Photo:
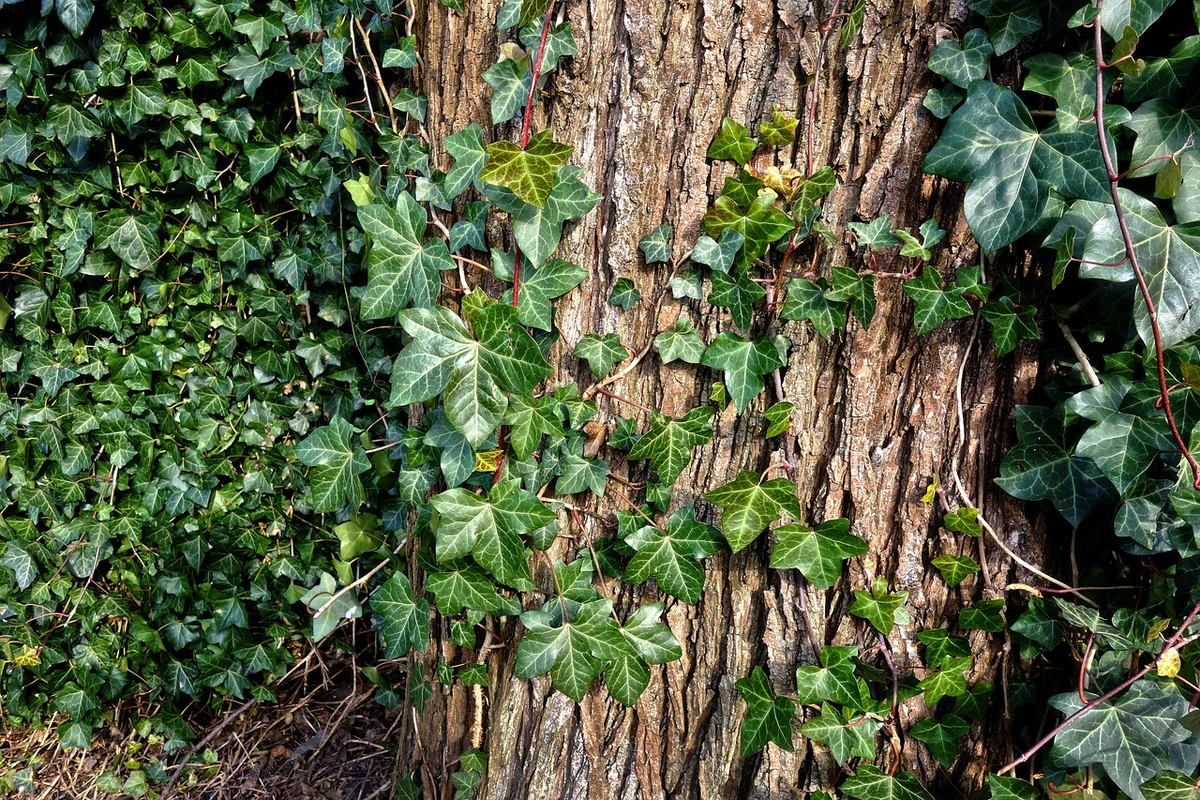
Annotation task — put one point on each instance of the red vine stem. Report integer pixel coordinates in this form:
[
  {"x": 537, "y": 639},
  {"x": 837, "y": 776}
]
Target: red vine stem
[
  {"x": 534, "y": 75},
  {"x": 1152, "y": 312},
  {"x": 1175, "y": 642}
]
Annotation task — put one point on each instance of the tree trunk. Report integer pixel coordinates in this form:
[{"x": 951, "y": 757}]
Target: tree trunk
[{"x": 876, "y": 409}]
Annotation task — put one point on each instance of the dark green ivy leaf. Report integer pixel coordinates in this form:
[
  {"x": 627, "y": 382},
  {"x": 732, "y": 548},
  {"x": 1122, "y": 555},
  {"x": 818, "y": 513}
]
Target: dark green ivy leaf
[
  {"x": 845, "y": 737},
  {"x": 668, "y": 445},
  {"x": 768, "y": 718},
  {"x": 955, "y": 569},
  {"x": 601, "y": 352},
  {"x": 624, "y": 294},
  {"x": 817, "y": 552},
  {"x": 941, "y": 736},
  {"x": 671, "y": 556},
  {"x": 656, "y": 245},
  {"x": 869, "y": 783},
  {"x": 934, "y": 303},
  {"x": 749, "y": 504},
  {"x": 405, "y": 619},
  {"x": 733, "y": 143},
  {"x": 744, "y": 363},
  {"x": 878, "y": 606},
  {"x": 964, "y": 63}
]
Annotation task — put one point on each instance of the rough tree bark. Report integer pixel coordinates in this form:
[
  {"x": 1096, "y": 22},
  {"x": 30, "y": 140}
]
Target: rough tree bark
[{"x": 877, "y": 410}]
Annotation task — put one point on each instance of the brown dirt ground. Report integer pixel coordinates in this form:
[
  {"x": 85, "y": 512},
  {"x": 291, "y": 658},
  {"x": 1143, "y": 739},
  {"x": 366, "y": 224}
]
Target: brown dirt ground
[{"x": 325, "y": 738}]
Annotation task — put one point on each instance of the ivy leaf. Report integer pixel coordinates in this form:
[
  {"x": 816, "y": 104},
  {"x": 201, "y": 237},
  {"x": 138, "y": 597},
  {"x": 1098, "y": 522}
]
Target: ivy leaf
[
  {"x": 1130, "y": 735},
  {"x": 761, "y": 223},
  {"x": 669, "y": 442},
  {"x": 807, "y": 301},
  {"x": 941, "y": 101},
  {"x": 1169, "y": 256},
  {"x": 403, "y": 57},
  {"x": 1043, "y": 467},
  {"x": 686, "y": 284},
  {"x": 624, "y": 294},
  {"x": 463, "y": 587},
  {"x": 671, "y": 556},
  {"x": 941, "y": 736},
  {"x": 1009, "y": 21},
  {"x": 540, "y": 285},
  {"x": 941, "y": 646},
  {"x": 869, "y": 783},
  {"x": 1070, "y": 81},
  {"x": 528, "y": 421},
  {"x": 336, "y": 465},
  {"x": 990, "y": 143},
  {"x": 24, "y": 569},
  {"x": 532, "y": 10},
  {"x": 656, "y": 245},
  {"x": 405, "y": 619},
  {"x": 490, "y": 529},
  {"x": 649, "y": 637},
  {"x": 878, "y": 606},
  {"x": 934, "y": 303},
  {"x": 875, "y": 234},
  {"x": 744, "y": 363},
  {"x": 734, "y": 290},
  {"x": 983, "y": 616},
  {"x": 402, "y": 267},
  {"x": 962, "y": 64},
  {"x": 510, "y": 80},
  {"x": 834, "y": 681},
  {"x": 844, "y": 737},
  {"x": 71, "y": 124},
  {"x": 779, "y": 130},
  {"x": 681, "y": 344},
  {"x": 1164, "y": 77},
  {"x": 949, "y": 681},
  {"x": 578, "y": 474},
  {"x": 467, "y": 149},
  {"x": 74, "y": 15},
  {"x": 132, "y": 237},
  {"x": 1010, "y": 324},
  {"x": 601, "y": 352},
  {"x": 733, "y": 143},
  {"x": 1124, "y": 446},
  {"x": 560, "y": 42},
  {"x": 574, "y": 651},
  {"x": 750, "y": 504},
  {"x": 718, "y": 256},
  {"x": 964, "y": 521},
  {"x": 955, "y": 569},
  {"x": 1169, "y": 785},
  {"x": 768, "y": 718},
  {"x": 779, "y": 418},
  {"x": 529, "y": 173},
  {"x": 817, "y": 552}
]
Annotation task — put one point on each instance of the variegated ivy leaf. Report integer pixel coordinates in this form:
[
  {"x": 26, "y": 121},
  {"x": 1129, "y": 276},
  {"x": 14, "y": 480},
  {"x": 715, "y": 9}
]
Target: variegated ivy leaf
[
  {"x": 844, "y": 733},
  {"x": 682, "y": 343},
  {"x": 656, "y": 245},
  {"x": 530, "y": 173}
]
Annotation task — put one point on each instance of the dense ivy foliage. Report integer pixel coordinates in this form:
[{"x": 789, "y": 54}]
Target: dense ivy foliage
[{"x": 269, "y": 366}]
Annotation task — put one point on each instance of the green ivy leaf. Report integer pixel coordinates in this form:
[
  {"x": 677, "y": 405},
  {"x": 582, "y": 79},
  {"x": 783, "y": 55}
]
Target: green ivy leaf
[
  {"x": 682, "y": 343},
  {"x": 962, "y": 64},
  {"x": 768, "y": 718},
  {"x": 490, "y": 529},
  {"x": 578, "y": 474},
  {"x": 1009, "y": 21},
  {"x": 532, "y": 10},
  {"x": 1070, "y": 81},
  {"x": 624, "y": 294},
  {"x": 760, "y": 224},
  {"x": 467, "y": 149},
  {"x": 1130, "y": 735},
  {"x": 986, "y": 615},
  {"x": 1169, "y": 256},
  {"x": 734, "y": 290},
  {"x": 817, "y": 552},
  {"x": 529, "y": 173},
  {"x": 744, "y": 363},
  {"x": 1169, "y": 785},
  {"x": 510, "y": 80},
  {"x": 1010, "y": 324},
  {"x": 941, "y": 736},
  {"x": 132, "y": 237},
  {"x": 668, "y": 445},
  {"x": 949, "y": 681},
  {"x": 719, "y": 256},
  {"x": 656, "y": 245},
  {"x": 671, "y": 556},
  {"x": 935, "y": 304},
  {"x": 869, "y": 783},
  {"x": 462, "y": 587},
  {"x": 528, "y": 421},
  {"x": 807, "y": 301},
  {"x": 336, "y": 465},
  {"x": 573, "y": 651},
  {"x": 964, "y": 521},
  {"x": 942, "y": 101},
  {"x": 601, "y": 352},
  {"x": 878, "y": 606},
  {"x": 750, "y": 504},
  {"x": 779, "y": 418},
  {"x": 22, "y": 565},
  {"x": 540, "y": 285},
  {"x": 955, "y": 569},
  {"x": 404, "y": 57},
  {"x": 74, "y": 15},
  {"x": 733, "y": 143},
  {"x": 1043, "y": 465},
  {"x": 779, "y": 130},
  {"x": 941, "y": 646},
  {"x": 875, "y": 234},
  {"x": 402, "y": 267},
  {"x": 834, "y": 681},
  {"x": 405, "y": 619},
  {"x": 845, "y": 737}
]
